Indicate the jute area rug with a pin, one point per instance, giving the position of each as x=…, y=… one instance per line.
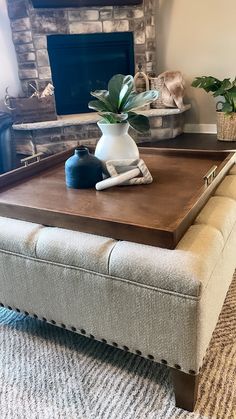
x=51, y=373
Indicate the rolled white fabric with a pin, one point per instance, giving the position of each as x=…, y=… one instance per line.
x=117, y=180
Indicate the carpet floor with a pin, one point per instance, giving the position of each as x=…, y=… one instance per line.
x=51, y=373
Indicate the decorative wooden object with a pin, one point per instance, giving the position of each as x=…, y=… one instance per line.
x=141, y=83
x=33, y=109
x=156, y=214
x=82, y=3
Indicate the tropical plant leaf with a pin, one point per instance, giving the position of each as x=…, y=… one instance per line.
x=227, y=107
x=225, y=88
x=114, y=118
x=97, y=105
x=100, y=94
x=230, y=97
x=103, y=96
x=233, y=98
x=119, y=88
x=107, y=119
x=114, y=87
x=116, y=104
x=139, y=122
x=126, y=90
x=138, y=100
x=225, y=85
x=208, y=83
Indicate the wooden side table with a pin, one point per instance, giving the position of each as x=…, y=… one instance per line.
x=194, y=142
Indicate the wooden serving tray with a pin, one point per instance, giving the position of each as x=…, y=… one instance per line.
x=157, y=214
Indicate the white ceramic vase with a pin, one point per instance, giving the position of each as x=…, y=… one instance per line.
x=116, y=143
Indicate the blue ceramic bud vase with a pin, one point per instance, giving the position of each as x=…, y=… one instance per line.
x=83, y=170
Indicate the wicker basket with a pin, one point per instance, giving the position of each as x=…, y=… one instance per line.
x=157, y=84
x=226, y=126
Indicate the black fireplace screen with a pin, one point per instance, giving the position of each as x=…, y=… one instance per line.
x=85, y=62
x=82, y=3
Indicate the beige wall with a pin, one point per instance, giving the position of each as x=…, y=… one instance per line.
x=8, y=63
x=198, y=38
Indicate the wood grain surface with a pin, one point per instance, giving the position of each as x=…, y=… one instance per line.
x=157, y=214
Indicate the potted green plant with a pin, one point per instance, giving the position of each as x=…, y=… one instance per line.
x=226, y=109
x=116, y=106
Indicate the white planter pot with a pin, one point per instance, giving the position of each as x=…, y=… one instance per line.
x=116, y=143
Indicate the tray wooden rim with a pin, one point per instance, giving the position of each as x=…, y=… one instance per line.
x=172, y=234
x=21, y=173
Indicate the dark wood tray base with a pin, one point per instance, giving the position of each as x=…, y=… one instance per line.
x=157, y=214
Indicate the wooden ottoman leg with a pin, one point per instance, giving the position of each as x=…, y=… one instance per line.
x=185, y=388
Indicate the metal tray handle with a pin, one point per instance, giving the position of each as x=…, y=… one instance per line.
x=210, y=175
x=27, y=160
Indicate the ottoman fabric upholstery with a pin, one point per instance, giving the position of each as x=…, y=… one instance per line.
x=219, y=213
x=18, y=236
x=164, y=303
x=76, y=249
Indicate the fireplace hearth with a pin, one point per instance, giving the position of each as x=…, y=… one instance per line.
x=85, y=62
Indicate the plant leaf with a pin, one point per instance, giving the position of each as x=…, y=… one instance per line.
x=139, y=122
x=126, y=90
x=224, y=88
x=103, y=96
x=227, y=107
x=107, y=119
x=119, y=88
x=137, y=100
x=114, y=87
x=97, y=105
x=225, y=85
x=233, y=96
x=113, y=118
x=208, y=83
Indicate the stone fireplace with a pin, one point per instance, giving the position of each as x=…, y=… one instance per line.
x=31, y=27
x=37, y=35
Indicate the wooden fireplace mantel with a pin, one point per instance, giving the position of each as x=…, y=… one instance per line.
x=82, y=3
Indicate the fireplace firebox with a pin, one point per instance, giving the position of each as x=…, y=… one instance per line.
x=85, y=62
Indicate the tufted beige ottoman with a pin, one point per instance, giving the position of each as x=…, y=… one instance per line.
x=161, y=304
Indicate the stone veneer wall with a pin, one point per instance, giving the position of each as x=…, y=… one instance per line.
x=30, y=28
x=53, y=140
